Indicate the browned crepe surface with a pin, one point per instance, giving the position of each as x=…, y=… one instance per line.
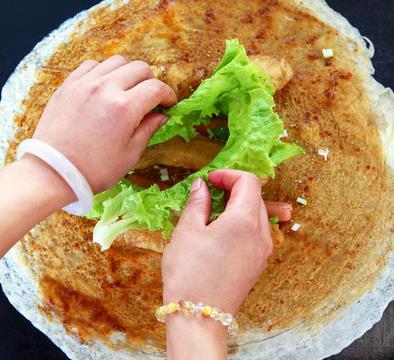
x=324, y=105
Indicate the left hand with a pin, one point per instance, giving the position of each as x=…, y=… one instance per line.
x=100, y=117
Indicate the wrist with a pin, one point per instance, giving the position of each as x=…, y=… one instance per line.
x=173, y=292
x=200, y=337
x=31, y=192
x=55, y=191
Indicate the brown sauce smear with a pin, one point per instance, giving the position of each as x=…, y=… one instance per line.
x=333, y=255
x=103, y=307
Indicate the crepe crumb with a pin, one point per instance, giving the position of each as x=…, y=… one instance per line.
x=296, y=227
x=324, y=153
x=328, y=53
x=302, y=201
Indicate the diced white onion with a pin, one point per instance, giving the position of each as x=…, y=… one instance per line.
x=284, y=134
x=324, y=153
x=164, y=174
x=295, y=227
x=328, y=53
x=211, y=134
x=302, y=201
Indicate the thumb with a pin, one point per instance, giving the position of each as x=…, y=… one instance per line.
x=145, y=130
x=198, y=207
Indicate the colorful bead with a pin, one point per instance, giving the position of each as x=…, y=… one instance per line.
x=171, y=307
x=207, y=310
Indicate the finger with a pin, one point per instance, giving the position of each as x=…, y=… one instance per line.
x=111, y=64
x=82, y=70
x=129, y=75
x=144, y=131
x=148, y=94
x=280, y=209
x=267, y=238
x=198, y=206
x=245, y=189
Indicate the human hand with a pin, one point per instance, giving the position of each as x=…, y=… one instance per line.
x=218, y=263
x=99, y=118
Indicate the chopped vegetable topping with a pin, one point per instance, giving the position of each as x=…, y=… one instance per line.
x=295, y=227
x=211, y=134
x=302, y=201
x=164, y=174
x=324, y=153
x=274, y=220
x=221, y=133
x=328, y=53
x=284, y=134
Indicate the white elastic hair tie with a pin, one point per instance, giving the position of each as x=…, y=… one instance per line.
x=65, y=169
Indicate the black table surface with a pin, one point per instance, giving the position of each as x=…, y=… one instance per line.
x=23, y=23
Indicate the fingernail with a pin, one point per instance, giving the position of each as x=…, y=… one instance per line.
x=163, y=120
x=196, y=184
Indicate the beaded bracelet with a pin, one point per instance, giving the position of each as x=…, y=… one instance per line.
x=188, y=307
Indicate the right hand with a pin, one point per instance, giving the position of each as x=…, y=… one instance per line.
x=218, y=263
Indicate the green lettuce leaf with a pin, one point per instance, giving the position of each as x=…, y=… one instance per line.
x=236, y=89
x=205, y=101
x=98, y=204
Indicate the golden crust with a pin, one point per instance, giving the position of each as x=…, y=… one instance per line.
x=196, y=154
x=279, y=71
x=324, y=105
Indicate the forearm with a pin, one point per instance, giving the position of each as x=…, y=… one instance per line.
x=30, y=192
x=195, y=338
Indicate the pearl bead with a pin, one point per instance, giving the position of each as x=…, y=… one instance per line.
x=160, y=314
x=198, y=308
x=215, y=314
x=226, y=319
x=188, y=307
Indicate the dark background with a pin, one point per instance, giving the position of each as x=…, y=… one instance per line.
x=24, y=23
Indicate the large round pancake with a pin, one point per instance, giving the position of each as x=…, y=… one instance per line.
x=344, y=244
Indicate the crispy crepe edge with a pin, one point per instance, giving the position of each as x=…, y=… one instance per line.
x=20, y=283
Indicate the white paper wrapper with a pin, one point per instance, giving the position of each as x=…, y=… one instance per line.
x=304, y=340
